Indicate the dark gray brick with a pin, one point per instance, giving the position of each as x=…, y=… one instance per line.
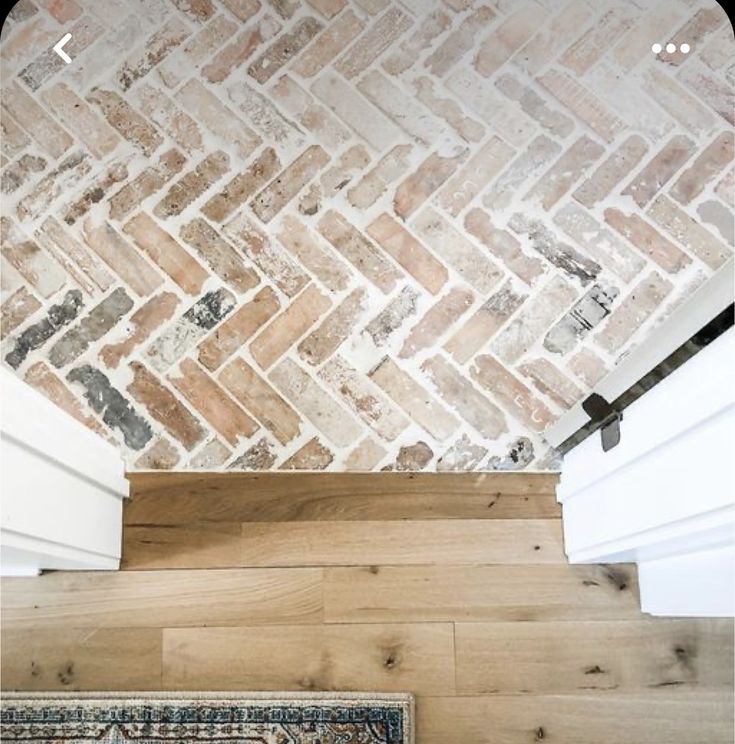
x=117, y=412
x=90, y=328
x=36, y=335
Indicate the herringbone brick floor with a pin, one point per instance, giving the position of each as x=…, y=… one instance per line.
x=352, y=234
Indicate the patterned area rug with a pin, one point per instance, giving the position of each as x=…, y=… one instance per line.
x=266, y=718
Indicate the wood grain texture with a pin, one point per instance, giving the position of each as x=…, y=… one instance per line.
x=381, y=593
x=423, y=542
x=178, y=498
x=160, y=599
x=501, y=643
x=194, y=545
x=261, y=544
x=390, y=658
x=81, y=658
x=579, y=656
x=653, y=717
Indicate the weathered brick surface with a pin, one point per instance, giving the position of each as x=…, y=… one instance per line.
x=276, y=195
x=90, y=328
x=161, y=455
x=315, y=404
x=537, y=314
x=219, y=255
x=208, y=398
x=16, y=309
x=323, y=341
x=35, y=336
x=352, y=234
x=143, y=323
x=659, y=170
x=242, y=186
x=164, y=407
x=484, y=323
x=67, y=176
x=124, y=201
x=359, y=251
x=296, y=237
x=635, y=309
x=428, y=331
x=566, y=170
x=550, y=381
x=612, y=171
x=408, y=252
x=258, y=397
x=76, y=259
x=287, y=45
x=503, y=245
x=122, y=258
x=192, y=185
x=647, y=239
x=45, y=380
x=419, y=186
x=167, y=253
x=312, y=456
x=707, y=166
x=239, y=327
x=275, y=264
x=413, y=398
x=116, y=411
x=364, y=398
x=461, y=394
x=180, y=336
x=511, y=392
x=289, y=326
x=128, y=122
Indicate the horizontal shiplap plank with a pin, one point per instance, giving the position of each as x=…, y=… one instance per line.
x=476, y=593
x=163, y=598
x=387, y=658
x=667, y=716
x=578, y=656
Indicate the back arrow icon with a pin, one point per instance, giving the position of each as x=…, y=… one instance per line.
x=58, y=48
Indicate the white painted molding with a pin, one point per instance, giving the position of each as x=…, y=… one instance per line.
x=694, y=584
x=61, y=488
x=664, y=497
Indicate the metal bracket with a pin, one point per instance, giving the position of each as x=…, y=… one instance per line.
x=599, y=410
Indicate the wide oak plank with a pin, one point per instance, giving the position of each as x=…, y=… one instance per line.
x=271, y=497
x=198, y=545
x=81, y=659
x=209, y=545
x=423, y=542
x=163, y=598
x=391, y=658
x=578, y=656
x=210, y=503
x=475, y=593
x=667, y=716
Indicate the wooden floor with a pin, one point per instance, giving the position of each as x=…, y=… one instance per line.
x=453, y=587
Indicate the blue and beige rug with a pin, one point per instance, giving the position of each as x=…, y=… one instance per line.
x=254, y=718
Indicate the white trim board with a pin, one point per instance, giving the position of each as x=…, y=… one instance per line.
x=667, y=490
x=61, y=488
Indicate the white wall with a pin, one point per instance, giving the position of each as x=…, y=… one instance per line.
x=61, y=487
